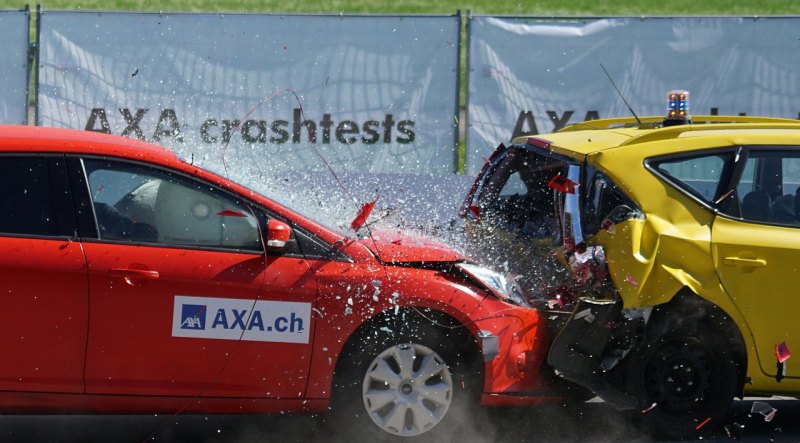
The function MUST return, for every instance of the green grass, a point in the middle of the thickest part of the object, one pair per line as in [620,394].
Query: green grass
[485,7]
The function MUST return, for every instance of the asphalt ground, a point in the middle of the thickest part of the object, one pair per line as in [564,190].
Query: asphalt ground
[590,422]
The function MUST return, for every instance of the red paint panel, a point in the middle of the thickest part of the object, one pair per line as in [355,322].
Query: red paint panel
[44,297]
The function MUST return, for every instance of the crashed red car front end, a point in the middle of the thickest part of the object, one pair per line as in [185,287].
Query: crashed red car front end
[139,283]
[423,279]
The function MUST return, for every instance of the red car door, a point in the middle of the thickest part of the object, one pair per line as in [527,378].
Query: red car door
[183,300]
[43,284]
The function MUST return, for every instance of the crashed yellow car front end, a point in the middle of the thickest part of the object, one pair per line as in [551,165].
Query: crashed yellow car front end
[682,243]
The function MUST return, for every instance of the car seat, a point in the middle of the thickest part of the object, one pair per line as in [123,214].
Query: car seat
[783,209]
[756,206]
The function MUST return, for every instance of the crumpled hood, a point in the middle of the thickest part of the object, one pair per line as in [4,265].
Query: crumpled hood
[400,248]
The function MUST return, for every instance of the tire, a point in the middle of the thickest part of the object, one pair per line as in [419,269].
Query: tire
[690,376]
[406,382]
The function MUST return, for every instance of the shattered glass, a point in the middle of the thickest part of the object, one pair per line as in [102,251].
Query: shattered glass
[760,407]
[734,431]
[512,223]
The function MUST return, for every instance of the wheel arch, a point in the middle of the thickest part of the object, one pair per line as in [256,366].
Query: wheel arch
[688,310]
[405,318]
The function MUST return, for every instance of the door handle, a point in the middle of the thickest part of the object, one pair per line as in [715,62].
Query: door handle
[131,276]
[738,261]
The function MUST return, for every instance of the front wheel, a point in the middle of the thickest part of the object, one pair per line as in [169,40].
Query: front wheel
[404,385]
[407,389]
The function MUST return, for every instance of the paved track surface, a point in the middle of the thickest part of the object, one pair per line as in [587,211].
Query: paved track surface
[592,422]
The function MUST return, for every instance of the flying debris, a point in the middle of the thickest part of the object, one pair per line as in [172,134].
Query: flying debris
[734,431]
[702,423]
[562,184]
[760,407]
[782,354]
[363,215]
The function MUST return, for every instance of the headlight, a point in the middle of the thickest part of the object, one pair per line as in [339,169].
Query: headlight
[500,286]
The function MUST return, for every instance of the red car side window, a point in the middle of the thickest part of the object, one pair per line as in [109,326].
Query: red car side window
[140,204]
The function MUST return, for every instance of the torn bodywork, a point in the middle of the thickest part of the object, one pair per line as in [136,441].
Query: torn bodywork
[598,333]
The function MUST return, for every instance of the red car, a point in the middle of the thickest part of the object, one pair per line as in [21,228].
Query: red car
[133,282]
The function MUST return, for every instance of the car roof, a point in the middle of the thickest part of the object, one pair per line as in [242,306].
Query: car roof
[585,138]
[38,139]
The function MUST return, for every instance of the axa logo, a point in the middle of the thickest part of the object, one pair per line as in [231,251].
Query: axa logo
[241,319]
[238,319]
[193,317]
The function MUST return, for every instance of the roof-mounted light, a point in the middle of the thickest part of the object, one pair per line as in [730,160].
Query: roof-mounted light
[677,108]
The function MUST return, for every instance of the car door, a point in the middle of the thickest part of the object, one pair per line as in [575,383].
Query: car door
[43,284]
[756,245]
[183,299]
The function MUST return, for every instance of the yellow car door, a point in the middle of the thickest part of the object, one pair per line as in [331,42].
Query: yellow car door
[756,249]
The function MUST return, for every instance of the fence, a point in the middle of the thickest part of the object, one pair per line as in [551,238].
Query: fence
[259,97]
[14,66]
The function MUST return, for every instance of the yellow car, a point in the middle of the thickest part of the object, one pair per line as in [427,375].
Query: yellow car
[680,238]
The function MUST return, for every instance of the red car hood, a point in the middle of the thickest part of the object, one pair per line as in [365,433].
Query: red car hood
[398,248]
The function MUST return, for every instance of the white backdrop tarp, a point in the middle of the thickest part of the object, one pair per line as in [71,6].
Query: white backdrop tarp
[376,94]
[14,67]
[536,75]
[245,95]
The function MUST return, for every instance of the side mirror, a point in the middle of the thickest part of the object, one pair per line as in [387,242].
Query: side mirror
[278,234]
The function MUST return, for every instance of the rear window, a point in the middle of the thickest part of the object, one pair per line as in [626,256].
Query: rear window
[35,197]
[514,192]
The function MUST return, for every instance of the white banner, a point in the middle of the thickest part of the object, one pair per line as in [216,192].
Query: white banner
[529,76]
[373,94]
[14,67]
[241,319]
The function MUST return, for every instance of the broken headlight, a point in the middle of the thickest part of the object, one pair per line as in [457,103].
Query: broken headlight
[500,286]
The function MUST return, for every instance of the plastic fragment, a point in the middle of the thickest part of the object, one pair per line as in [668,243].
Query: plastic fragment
[725,195]
[476,211]
[552,303]
[589,264]
[363,215]
[608,226]
[760,407]
[702,423]
[562,184]
[586,314]
[782,354]
[734,431]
